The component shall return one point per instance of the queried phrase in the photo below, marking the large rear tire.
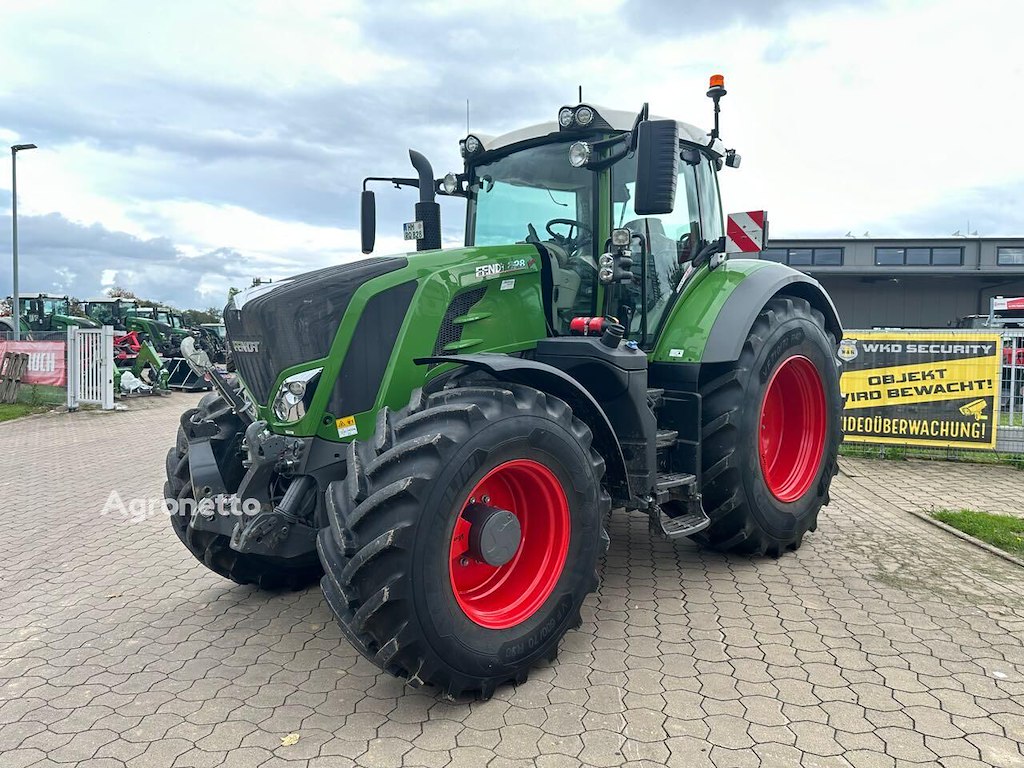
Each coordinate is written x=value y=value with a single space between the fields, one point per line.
x=408 y=586
x=771 y=432
x=212 y=549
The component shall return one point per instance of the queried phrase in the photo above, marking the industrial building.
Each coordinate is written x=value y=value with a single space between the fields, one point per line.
x=908 y=282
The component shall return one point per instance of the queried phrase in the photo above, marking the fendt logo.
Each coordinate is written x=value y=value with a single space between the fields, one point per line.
x=245 y=346
x=492 y=270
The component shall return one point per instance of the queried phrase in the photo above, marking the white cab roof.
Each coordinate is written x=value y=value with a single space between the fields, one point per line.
x=618 y=119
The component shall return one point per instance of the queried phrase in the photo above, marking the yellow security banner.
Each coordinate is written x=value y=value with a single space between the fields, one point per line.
x=931 y=388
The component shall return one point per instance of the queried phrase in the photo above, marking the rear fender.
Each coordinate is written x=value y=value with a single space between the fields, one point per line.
x=554 y=382
x=749 y=297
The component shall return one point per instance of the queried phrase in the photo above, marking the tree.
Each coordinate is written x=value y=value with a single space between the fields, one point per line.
x=75 y=307
x=194 y=317
x=117 y=292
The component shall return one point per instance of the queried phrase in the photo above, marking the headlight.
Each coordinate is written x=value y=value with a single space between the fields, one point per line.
x=621 y=237
x=584 y=116
x=565 y=117
x=579 y=154
x=473 y=145
x=450 y=183
x=295 y=395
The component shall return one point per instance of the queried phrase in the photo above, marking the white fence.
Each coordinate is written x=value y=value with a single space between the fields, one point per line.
x=91 y=367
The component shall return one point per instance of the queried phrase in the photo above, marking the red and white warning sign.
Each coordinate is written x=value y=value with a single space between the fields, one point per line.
x=746 y=232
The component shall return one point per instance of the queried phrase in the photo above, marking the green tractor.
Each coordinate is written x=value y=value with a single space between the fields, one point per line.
x=114 y=312
x=440 y=436
x=162 y=326
x=44 y=313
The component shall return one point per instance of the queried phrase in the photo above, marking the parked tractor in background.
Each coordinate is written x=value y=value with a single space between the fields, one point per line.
x=44 y=313
x=440 y=436
x=135 y=353
x=162 y=325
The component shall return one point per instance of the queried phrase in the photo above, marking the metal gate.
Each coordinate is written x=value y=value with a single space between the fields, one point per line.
x=1010 y=435
x=91 y=367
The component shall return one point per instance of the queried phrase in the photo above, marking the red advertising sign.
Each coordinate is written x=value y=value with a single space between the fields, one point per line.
x=47 y=361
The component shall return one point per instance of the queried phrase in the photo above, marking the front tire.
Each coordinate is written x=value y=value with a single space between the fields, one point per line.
x=401 y=575
x=771 y=432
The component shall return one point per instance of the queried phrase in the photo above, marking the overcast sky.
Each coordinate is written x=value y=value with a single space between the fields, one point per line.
x=191 y=148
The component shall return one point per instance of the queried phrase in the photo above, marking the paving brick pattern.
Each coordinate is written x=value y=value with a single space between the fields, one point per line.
x=884 y=641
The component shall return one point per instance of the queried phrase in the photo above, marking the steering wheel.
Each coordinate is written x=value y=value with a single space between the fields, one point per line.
x=578 y=234
x=578 y=227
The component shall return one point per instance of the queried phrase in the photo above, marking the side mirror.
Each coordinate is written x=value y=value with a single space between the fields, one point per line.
x=657 y=167
x=368 y=220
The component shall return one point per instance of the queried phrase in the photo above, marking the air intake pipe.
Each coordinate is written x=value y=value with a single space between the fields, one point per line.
x=427 y=209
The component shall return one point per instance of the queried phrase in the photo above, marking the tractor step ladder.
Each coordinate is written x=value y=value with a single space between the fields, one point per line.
x=655 y=396
x=666 y=438
x=679 y=486
x=91 y=367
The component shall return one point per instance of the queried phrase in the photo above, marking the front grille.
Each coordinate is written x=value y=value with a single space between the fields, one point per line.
x=294 y=321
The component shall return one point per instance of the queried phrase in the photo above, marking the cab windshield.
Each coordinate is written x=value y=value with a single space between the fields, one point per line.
x=534 y=195
x=106 y=311
x=44 y=307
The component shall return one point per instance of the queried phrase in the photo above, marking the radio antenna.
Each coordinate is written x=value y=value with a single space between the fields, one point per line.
x=581 y=94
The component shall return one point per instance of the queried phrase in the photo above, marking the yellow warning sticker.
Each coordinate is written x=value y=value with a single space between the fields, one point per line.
x=346 y=426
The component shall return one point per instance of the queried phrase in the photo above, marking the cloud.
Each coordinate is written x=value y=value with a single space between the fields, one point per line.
x=57 y=255
x=193 y=144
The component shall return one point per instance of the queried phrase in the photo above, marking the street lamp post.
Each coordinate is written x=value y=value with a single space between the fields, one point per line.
x=16 y=309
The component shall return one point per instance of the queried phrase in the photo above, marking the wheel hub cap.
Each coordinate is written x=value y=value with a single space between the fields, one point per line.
x=494 y=534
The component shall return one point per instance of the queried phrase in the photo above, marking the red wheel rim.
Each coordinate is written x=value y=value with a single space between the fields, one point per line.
x=792 y=428
x=504 y=596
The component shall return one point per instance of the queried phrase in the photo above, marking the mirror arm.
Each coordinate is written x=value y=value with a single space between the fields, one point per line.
x=709 y=250
x=600 y=165
x=398 y=182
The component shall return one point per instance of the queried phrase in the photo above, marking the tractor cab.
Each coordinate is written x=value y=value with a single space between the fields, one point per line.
x=37 y=310
x=559 y=183
x=565 y=186
x=108 y=311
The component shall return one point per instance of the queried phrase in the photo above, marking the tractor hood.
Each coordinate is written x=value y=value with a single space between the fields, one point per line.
x=273 y=326
x=354 y=319
x=81 y=322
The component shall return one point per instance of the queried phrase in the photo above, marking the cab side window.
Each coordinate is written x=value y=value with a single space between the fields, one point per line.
x=710 y=202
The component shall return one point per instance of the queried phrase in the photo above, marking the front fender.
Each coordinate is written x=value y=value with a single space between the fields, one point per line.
x=552 y=381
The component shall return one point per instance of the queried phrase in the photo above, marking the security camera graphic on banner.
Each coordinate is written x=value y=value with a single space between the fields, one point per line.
x=976 y=408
